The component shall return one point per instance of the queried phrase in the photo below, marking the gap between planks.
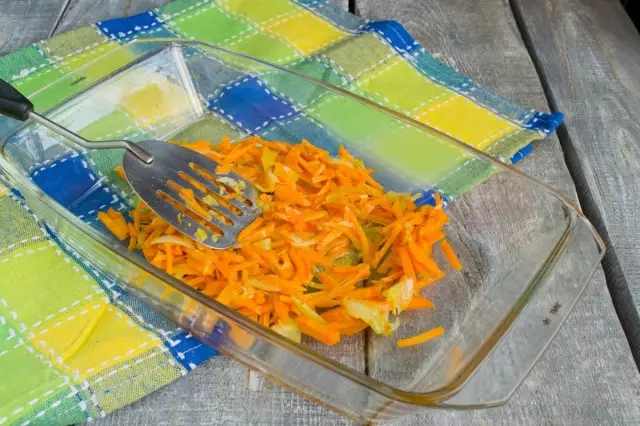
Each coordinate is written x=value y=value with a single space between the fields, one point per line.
x=63 y=10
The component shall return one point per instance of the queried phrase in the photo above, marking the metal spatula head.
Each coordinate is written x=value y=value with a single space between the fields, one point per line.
x=226 y=203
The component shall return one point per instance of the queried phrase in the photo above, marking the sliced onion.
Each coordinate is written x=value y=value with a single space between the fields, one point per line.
x=271 y=178
x=173 y=239
x=268 y=158
x=399 y=295
x=370 y=313
x=306 y=310
x=264 y=244
x=299 y=242
x=227 y=181
x=288 y=329
x=340 y=161
x=262 y=286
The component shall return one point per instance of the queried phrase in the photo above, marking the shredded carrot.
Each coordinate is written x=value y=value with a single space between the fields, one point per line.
x=354 y=329
x=319 y=331
x=365 y=292
x=264 y=320
x=450 y=254
x=120 y=172
x=419 y=302
x=421 y=338
x=281 y=308
x=114 y=221
x=329 y=237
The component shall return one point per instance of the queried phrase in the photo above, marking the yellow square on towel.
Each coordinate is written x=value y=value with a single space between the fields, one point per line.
x=305 y=31
x=400 y=86
x=92 y=338
x=463 y=119
x=59 y=284
x=159 y=101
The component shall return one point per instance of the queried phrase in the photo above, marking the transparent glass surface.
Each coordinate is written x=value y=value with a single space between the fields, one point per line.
x=527 y=253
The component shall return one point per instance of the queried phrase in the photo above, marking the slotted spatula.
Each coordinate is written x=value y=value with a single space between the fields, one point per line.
x=159 y=172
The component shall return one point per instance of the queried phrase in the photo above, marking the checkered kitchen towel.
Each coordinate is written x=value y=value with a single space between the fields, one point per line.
x=73 y=346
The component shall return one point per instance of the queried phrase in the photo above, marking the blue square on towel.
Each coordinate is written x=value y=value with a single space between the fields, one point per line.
x=189 y=351
x=98 y=198
x=249 y=104
x=394 y=34
x=302 y=127
x=66 y=179
x=120 y=28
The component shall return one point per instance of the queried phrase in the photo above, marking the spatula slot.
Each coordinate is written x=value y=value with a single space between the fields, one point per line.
x=186 y=213
x=211 y=199
x=234 y=188
x=189 y=199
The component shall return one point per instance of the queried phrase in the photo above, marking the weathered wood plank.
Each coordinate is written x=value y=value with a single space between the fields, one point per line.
x=482 y=40
x=24 y=22
x=218 y=393
x=589 y=54
x=80 y=13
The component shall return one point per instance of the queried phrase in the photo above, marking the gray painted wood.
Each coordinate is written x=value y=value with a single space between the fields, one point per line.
x=586 y=377
x=221 y=392
x=577 y=382
x=589 y=54
x=481 y=39
x=27 y=21
x=80 y=13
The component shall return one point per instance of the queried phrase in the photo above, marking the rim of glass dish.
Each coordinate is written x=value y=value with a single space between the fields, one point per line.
x=431 y=398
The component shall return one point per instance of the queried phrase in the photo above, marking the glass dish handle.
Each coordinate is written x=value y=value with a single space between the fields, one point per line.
x=547 y=306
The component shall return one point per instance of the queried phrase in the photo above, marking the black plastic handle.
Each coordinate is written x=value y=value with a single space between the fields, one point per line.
x=13 y=103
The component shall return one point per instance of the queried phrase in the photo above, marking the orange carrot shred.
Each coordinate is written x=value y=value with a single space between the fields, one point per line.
x=365 y=292
x=421 y=338
x=419 y=302
x=114 y=221
x=120 y=172
x=281 y=308
x=406 y=264
x=450 y=254
x=319 y=331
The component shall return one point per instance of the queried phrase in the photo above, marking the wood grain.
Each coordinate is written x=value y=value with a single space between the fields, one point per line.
x=481 y=39
x=80 y=13
x=83 y=12
x=27 y=21
x=216 y=394
x=589 y=54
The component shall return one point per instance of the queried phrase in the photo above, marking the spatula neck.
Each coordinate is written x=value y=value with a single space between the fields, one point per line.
x=79 y=140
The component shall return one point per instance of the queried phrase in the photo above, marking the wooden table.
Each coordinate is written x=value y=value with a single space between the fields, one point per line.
x=581 y=57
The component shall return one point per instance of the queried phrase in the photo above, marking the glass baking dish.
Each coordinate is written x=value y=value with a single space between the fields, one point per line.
x=527 y=252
